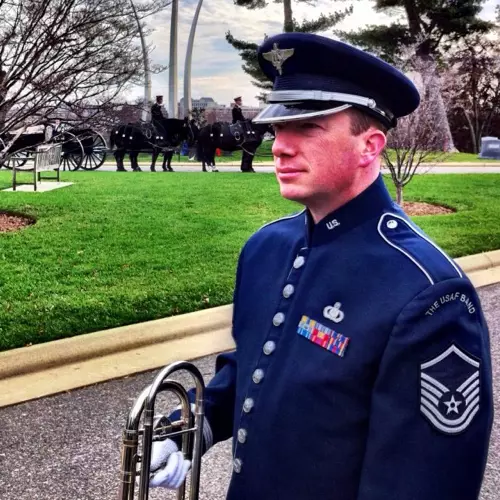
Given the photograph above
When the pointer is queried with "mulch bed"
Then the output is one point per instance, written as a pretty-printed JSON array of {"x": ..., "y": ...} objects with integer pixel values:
[
  {"x": 11, "y": 222},
  {"x": 421, "y": 208}
]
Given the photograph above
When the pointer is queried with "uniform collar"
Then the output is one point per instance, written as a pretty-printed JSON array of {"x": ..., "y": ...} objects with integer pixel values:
[{"x": 371, "y": 203}]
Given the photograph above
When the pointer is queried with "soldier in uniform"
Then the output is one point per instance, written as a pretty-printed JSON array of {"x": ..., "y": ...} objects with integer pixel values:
[
  {"x": 156, "y": 110},
  {"x": 236, "y": 111},
  {"x": 246, "y": 158},
  {"x": 362, "y": 367}
]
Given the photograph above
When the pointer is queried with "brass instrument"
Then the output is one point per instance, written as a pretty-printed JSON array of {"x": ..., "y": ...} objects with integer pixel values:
[{"x": 190, "y": 426}]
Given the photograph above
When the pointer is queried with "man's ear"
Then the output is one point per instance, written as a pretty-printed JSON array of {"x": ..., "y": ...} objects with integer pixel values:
[{"x": 374, "y": 142}]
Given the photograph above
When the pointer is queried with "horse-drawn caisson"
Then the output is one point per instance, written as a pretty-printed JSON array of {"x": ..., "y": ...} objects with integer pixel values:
[
  {"x": 81, "y": 147},
  {"x": 85, "y": 148}
]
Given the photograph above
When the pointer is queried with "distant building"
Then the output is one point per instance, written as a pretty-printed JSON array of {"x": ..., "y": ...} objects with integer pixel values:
[
  {"x": 202, "y": 103},
  {"x": 222, "y": 113},
  {"x": 215, "y": 112}
]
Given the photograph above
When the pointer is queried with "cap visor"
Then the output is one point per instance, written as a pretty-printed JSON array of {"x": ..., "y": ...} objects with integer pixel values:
[{"x": 276, "y": 113}]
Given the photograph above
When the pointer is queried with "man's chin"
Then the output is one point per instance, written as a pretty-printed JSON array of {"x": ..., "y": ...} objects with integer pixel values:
[{"x": 293, "y": 193}]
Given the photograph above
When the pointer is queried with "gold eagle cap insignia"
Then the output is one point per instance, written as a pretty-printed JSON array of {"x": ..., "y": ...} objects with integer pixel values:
[{"x": 278, "y": 56}]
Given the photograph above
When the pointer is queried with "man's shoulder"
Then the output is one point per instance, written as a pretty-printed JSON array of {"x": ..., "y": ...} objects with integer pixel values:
[
  {"x": 410, "y": 248},
  {"x": 286, "y": 227},
  {"x": 288, "y": 221}
]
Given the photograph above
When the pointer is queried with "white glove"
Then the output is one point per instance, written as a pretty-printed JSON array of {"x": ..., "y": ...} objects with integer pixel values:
[{"x": 168, "y": 465}]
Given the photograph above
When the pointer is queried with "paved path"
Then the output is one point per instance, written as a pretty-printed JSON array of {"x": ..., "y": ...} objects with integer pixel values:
[
  {"x": 67, "y": 447},
  {"x": 465, "y": 168}
]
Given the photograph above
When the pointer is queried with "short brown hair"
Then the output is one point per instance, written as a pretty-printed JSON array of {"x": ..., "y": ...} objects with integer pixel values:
[{"x": 361, "y": 122}]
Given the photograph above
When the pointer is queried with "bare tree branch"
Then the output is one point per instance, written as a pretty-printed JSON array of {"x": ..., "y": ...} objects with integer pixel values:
[
  {"x": 473, "y": 84},
  {"x": 416, "y": 139},
  {"x": 59, "y": 57}
]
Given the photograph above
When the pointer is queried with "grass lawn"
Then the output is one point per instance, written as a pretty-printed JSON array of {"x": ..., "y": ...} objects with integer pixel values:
[
  {"x": 264, "y": 154},
  {"x": 119, "y": 249}
]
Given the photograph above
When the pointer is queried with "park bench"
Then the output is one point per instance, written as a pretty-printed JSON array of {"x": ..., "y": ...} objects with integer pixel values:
[{"x": 46, "y": 158}]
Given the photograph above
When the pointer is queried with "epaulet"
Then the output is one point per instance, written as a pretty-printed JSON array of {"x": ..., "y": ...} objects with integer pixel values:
[
  {"x": 401, "y": 234},
  {"x": 288, "y": 217}
]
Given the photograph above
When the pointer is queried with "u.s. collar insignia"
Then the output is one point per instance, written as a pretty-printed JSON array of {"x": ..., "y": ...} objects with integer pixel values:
[
  {"x": 450, "y": 390},
  {"x": 278, "y": 56}
]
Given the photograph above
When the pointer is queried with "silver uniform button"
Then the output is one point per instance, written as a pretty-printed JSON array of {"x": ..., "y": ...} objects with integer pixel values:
[
  {"x": 237, "y": 465},
  {"x": 248, "y": 405},
  {"x": 298, "y": 262},
  {"x": 269, "y": 347},
  {"x": 258, "y": 375},
  {"x": 242, "y": 435},
  {"x": 278, "y": 319},
  {"x": 392, "y": 224},
  {"x": 288, "y": 290}
]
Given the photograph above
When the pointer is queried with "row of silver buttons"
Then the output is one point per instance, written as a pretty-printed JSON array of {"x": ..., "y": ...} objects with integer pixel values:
[{"x": 258, "y": 374}]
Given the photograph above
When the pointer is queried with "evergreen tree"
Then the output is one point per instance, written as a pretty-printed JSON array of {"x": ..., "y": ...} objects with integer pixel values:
[
  {"x": 248, "y": 50},
  {"x": 432, "y": 26}
]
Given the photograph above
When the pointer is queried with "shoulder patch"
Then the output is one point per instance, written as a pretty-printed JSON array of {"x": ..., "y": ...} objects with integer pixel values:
[
  {"x": 407, "y": 238},
  {"x": 288, "y": 217}
]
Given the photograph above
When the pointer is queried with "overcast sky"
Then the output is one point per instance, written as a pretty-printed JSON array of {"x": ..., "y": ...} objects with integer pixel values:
[{"x": 216, "y": 67}]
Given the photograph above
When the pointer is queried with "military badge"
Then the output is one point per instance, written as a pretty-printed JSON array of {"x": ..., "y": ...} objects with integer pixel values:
[
  {"x": 450, "y": 390},
  {"x": 278, "y": 56},
  {"x": 334, "y": 313},
  {"x": 323, "y": 336}
]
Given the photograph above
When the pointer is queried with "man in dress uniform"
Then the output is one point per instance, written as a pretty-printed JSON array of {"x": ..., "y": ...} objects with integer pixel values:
[
  {"x": 246, "y": 158},
  {"x": 362, "y": 369},
  {"x": 156, "y": 109},
  {"x": 157, "y": 115},
  {"x": 236, "y": 111}
]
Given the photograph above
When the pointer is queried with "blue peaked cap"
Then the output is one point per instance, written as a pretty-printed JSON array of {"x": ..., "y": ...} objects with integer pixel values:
[{"x": 313, "y": 76}]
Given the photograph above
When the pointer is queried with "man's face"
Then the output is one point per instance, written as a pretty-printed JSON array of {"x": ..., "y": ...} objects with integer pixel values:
[
  {"x": 238, "y": 102},
  {"x": 316, "y": 159}
]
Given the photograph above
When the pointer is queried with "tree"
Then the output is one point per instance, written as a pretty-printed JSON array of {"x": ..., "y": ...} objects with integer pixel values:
[
  {"x": 416, "y": 137},
  {"x": 69, "y": 55},
  {"x": 198, "y": 115},
  {"x": 432, "y": 27},
  {"x": 473, "y": 85},
  {"x": 248, "y": 50},
  {"x": 104, "y": 117}
]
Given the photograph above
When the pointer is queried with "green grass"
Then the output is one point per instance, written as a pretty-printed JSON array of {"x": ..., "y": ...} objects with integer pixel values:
[
  {"x": 264, "y": 154},
  {"x": 119, "y": 249}
]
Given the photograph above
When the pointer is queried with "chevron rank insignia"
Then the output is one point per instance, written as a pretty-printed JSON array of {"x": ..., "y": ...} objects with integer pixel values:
[
  {"x": 278, "y": 56},
  {"x": 450, "y": 390}
]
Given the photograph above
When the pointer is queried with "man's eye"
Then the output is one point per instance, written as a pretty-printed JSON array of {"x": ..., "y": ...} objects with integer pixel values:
[{"x": 309, "y": 126}]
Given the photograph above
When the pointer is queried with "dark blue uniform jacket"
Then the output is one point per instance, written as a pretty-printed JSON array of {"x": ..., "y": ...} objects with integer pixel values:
[{"x": 362, "y": 369}]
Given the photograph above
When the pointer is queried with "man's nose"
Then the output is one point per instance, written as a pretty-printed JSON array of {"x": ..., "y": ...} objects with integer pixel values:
[{"x": 284, "y": 145}]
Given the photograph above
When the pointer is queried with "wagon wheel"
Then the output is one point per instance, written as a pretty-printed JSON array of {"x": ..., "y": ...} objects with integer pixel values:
[
  {"x": 95, "y": 154},
  {"x": 72, "y": 151},
  {"x": 17, "y": 159}
]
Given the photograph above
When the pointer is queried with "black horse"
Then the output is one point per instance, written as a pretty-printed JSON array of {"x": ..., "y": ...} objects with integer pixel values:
[
  {"x": 156, "y": 137},
  {"x": 246, "y": 136}
]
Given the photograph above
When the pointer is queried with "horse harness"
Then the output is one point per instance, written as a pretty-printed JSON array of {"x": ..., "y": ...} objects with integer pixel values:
[{"x": 242, "y": 133}]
